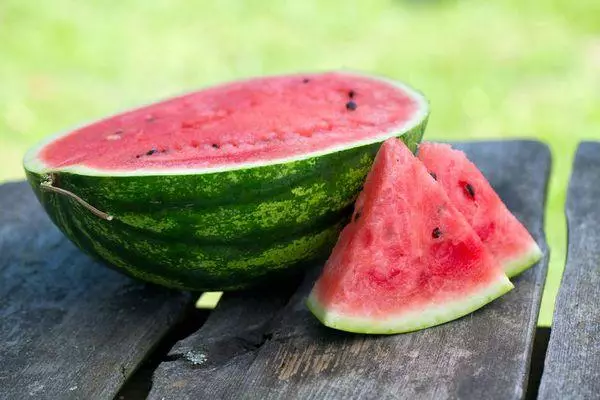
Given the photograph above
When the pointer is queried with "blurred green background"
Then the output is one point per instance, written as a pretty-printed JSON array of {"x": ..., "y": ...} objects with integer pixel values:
[{"x": 492, "y": 69}]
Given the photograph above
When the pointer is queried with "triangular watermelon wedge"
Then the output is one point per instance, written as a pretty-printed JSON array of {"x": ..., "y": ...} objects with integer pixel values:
[
  {"x": 408, "y": 259},
  {"x": 501, "y": 232}
]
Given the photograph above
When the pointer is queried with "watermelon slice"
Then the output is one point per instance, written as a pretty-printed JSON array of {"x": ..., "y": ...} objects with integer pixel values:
[
  {"x": 408, "y": 259},
  {"x": 222, "y": 188},
  {"x": 501, "y": 232}
]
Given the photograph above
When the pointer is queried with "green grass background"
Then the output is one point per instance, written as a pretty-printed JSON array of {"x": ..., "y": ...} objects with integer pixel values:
[{"x": 492, "y": 69}]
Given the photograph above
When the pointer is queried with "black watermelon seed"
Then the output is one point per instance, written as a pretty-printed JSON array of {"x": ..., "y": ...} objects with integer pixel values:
[
  {"x": 214, "y": 145},
  {"x": 351, "y": 106},
  {"x": 351, "y": 94},
  {"x": 118, "y": 131},
  {"x": 469, "y": 190},
  {"x": 433, "y": 175},
  {"x": 305, "y": 80},
  {"x": 357, "y": 216},
  {"x": 436, "y": 233},
  {"x": 151, "y": 151}
]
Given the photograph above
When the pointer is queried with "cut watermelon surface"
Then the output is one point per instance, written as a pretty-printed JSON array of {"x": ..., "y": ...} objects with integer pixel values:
[
  {"x": 247, "y": 122},
  {"x": 501, "y": 232},
  {"x": 225, "y": 187},
  {"x": 408, "y": 259}
]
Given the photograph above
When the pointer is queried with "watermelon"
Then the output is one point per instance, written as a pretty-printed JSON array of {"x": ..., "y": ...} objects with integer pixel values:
[
  {"x": 502, "y": 233},
  {"x": 408, "y": 259},
  {"x": 222, "y": 188}
]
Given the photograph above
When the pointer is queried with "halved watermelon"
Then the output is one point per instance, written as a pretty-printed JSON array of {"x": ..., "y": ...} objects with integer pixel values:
[
  {"x": 224, "y": 187},
  {"x": 408, "y": 260},
  {"x": 501, "y": 232}
]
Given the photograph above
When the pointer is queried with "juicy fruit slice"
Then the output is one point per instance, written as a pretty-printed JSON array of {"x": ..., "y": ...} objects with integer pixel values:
[
  {"x": 408, "y": 260},
  {"x": 223, "y": 188},
  {"x": 501, "y": 232}
]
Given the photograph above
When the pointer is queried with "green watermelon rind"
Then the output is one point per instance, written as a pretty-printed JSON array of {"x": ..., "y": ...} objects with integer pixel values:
[
  {"x": 515, "y": 267},
  {"x": 416, "y": 320},
  {"x": 215, "y": 229}
]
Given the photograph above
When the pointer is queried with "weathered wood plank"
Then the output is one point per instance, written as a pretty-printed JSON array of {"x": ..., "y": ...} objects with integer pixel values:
[
  {"x": 70, "y": 329},
  {"x": 484, "y": 355},
  {"x": 572, "y": 366},
  {"x": 225, "y": 346}
]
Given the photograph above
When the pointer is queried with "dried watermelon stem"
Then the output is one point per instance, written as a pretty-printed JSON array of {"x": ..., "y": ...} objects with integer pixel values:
[{"x": 48, "y": 186}]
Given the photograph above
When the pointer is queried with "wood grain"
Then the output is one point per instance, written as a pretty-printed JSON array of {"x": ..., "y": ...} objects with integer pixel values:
[
  {"x": 201, "y": 365},
  {"x": 572, "y": 366},
  {"x": 70, "y": 328},
  {"x": 484, "y": 355}
]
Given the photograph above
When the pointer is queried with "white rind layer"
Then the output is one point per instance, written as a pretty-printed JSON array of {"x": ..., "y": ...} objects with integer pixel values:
[
  {"x": 425, "y": 317},
  {"x": 518, "y": 265}
]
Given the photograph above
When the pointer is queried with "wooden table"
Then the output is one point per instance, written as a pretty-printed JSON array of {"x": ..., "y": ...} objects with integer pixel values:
[{"x": 71, "y": 329}]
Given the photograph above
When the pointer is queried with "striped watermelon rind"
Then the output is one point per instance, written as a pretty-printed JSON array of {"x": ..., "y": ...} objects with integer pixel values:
[{"x": 215, "y": 229}]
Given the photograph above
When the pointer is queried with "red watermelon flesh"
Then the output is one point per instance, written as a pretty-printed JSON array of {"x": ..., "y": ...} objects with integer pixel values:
[
  {"x": 408, "y": 259},
  {"x": 243, "y": 122},
  {"x": 501, "y": 232}
]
